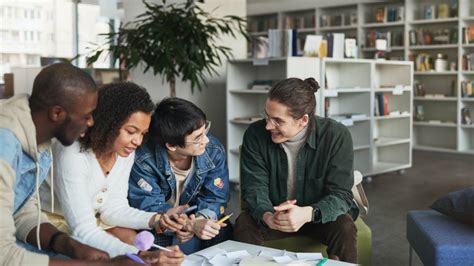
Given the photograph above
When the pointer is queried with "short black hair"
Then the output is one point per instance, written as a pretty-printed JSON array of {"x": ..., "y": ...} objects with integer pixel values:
[
  {"x": 175, "y": 118},
  {"x": 59, "y": 84},
  {"x": 115, "y": 104}
]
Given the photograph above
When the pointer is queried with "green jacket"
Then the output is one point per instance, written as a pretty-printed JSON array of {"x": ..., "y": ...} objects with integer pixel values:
[{"x": 324, "y": 170}]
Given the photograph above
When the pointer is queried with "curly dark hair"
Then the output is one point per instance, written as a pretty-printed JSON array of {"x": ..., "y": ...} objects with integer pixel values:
[{"x": 115, "y": 104}]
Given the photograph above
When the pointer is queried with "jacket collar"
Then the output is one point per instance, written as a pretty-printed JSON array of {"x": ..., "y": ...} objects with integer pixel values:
[{"x": 202, "y": 163}]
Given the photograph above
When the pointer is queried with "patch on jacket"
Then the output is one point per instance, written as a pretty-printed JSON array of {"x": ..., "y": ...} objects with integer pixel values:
[
  {"x": 144, "y": 185},
  {"x": 219, "y": 183},
  {"x": 222, "y": 210}
]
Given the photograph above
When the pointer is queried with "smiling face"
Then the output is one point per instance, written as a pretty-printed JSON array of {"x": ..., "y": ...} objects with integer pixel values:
[
  {"x": 280, "y": 123},
  {"x": 78, "y": 119},
  {"x": 131, "y": 133},
  {"x": 194, "y": 143}
]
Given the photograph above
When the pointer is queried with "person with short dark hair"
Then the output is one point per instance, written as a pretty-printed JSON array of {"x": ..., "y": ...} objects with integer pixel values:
[
  {"x": 182, "y": 165},
  {"x": 296, "y": 174},
  {"x": 92, "y": 176},
  {"x": 60, "y": 106}
]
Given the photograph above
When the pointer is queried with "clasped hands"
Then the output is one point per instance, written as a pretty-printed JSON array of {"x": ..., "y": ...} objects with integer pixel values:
[
  {"x": 186, "y": 226},
  {"x": 288, "y": 217}
]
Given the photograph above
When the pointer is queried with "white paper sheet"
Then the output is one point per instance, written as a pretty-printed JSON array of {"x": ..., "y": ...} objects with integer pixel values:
[
  {"x": 210, "y": 253},
  {"x": 309, "y": 256}
]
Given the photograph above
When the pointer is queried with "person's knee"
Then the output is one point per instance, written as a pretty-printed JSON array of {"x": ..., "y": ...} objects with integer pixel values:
[{"x": 346, "y": 227}]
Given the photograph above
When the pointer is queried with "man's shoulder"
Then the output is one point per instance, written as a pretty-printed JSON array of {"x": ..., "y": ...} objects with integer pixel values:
[
  {"x": 146, "y": 151},
  {"x": 9, "y": 143}
]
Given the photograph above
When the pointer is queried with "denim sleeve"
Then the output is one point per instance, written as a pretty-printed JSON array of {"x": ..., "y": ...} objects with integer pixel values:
[
  {"x": 144, "y": 192},
  {"x": 214, "y": 195}
]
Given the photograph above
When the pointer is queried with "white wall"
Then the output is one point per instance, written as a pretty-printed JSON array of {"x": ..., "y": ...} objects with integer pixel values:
[{"x": 211, "y": 99}]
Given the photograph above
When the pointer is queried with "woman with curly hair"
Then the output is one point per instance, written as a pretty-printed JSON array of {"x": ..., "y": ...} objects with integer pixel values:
[{"x": 92, "y": 176}]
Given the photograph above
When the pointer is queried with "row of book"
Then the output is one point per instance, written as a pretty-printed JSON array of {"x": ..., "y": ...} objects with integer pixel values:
[
  {"x": 422, "y": 36},
  {"x": 467, "y": 88},
  {"x": 262, "y": 24},
  {"x": 388, "y": 14},
  {"x": 393, "y": 38},
  {"x": 300, "y": 21},
  {"x": 468, "y": 62},
  {"x": 282, "y": 43},
  {"x": 338, "y": 19},
  {"x": 440, "y": 11},
  {"x": 279, "y": 43},
  {"x": 468, "y": 35}
]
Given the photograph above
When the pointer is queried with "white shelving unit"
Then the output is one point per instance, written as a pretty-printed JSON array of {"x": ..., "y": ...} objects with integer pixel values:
[
  {"x": 449, "y": 135},
  {"x": 243, "y": 102},
  {"x": 381, "y": 143}
]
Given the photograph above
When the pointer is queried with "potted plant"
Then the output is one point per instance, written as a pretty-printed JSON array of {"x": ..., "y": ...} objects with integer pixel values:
[{"x": 177, "y": 40}]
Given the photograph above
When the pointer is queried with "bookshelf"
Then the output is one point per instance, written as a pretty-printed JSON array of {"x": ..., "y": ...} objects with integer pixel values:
[
  {"x": 381, "y": 143},
  {"x": 244, "y": 104},
  {"x": 410, "y": 22}
]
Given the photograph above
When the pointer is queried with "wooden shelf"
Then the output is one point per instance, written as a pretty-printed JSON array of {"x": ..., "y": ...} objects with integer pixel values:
[
  {"x": 433, "y": 21},
  {"x": 427, "y": 124},
  {"x": 441, "y": 99},
  {"x": 387, "y": 141},
  {"x": 248, "y": 91},
  {"x": 335, "y": 28},
  {"x": 434, "y": 47},
  {"x": 433, "y": 73},
  {"x": 383, "y": 24}
]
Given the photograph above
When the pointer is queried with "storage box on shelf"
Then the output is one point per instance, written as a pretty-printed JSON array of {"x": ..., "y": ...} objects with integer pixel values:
[{"x": 247, "y": 92}]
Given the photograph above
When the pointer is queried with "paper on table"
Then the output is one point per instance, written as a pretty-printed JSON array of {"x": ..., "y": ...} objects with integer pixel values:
[
  {"x": 309, "y": 256},
  {"x": 283, "y": 259},
  {"x": 210, "y": 252},
  {"x": 188, "y": 262},
  {"x": 237, "y": 255},
  {"x": 271, "y": 253},
  {"x": 221, "y": 260}
]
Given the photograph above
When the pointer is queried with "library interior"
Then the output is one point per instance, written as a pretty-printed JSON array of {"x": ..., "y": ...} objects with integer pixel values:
[{"x": 319, "y": 110}]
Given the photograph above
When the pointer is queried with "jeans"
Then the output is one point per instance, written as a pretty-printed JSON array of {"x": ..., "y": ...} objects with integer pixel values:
[{"x": 339, "y": 236}]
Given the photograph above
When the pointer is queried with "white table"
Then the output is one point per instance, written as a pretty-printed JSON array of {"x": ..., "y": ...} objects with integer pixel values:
[{"x": 230, "y": 246}]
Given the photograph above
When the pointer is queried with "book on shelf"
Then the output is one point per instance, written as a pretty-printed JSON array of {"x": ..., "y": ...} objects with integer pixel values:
[
  {"x": 335, "y": 45},
  {"x": 262, "y": 84},
  {"x": 468, "y": 34},
  {"x": 419, "y": 113},
  {"x": 381, "y": 104},
  {"x": 260, "y": 47},
  {"x": 467, "y": 88},
  {"x": 312, "y": 45},
  {"x": 283, "y": 43},
  {"x": 422, "y": 36},
  {"x": 466, "y": 116},
  {"x": 435, "y": 95},
  {"x": 350, "y": 48},
  {"x": 468, "y": 62}
]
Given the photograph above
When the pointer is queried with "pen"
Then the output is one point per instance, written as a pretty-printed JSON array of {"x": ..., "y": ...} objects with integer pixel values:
[
  {"x": 135, "y": 258},
  {"x": 322, "y": 262},
  {"x": 225, "y": 218},
  {"x": 162, "y": 248}
]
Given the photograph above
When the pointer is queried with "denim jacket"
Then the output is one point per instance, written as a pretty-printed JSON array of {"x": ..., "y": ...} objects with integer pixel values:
[
  {"x": 152, "y": 182},
  {"x": 23, "y": 166}
]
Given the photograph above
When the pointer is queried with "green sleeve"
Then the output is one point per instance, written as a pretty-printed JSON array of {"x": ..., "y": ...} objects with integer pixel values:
[
  {"x": 254, "y": 177},
  {"x": 338, "y": 179}
]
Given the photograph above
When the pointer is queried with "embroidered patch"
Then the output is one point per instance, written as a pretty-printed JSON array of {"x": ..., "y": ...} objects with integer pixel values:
[
  {"x": 219, "y": 183},
  {"x": 222, "y": 209},
  {"x": 144, "y": 185}
]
